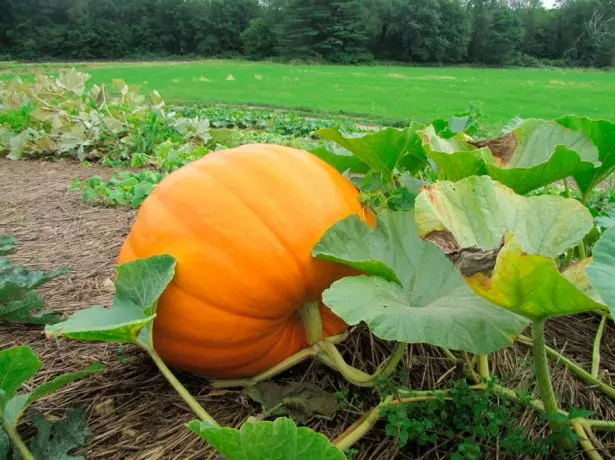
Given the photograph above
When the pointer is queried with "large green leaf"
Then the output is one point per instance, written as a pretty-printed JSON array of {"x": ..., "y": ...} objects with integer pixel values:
[
  {"x": 138, "y": 286},
  {"x": 382, "y": 150},
  {"x": 601, "y": 272},
  {"x": 530, "y": 285},
  {"x": 535, "y": 153},
  {"x": 17, "y": 366},
  {"x": 18, "y": 301},
  {"x": 16, "y": 281},
  {"x": 54, "y": 440},
  {"x": 602, "y": 133},
  {"x": 7, "y": 245},
  {"x": 277, "y": 440},
  {"x": 28, "y": 310},
  {"x": 340, "y": 158},
  {"x": 478, "y": 211},
  {"x": 414, "y": 293},
  {"x": 18, "y": 404}
]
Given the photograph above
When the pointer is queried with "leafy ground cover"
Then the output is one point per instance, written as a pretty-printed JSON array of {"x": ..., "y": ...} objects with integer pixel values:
[
  {"x": 391, "y": 94},
  {"x": 477, "y": 238}
]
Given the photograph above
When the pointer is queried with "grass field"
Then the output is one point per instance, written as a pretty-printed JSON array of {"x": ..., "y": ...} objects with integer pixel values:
[{"x": 376, "y": 92}]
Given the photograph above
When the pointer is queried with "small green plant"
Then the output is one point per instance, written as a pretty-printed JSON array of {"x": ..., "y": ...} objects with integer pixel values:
[
  {"x": 19, "y": 301},
  {"x": 126, "y": 188},
  {"x": 473, "y": 418},
  {"x": 17, "y": 366}
]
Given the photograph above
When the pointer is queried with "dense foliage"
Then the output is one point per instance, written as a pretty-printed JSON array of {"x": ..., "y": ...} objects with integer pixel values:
[
  {"x": 465, "y": 243},
  {"x": 493, "y": 32}
]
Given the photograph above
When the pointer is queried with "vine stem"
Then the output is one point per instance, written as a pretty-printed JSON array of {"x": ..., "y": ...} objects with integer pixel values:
[
  {"x": 567, "y": 188},
  {"x": 355, "y": 376},
  {"x": 596, "y": 350},
  {"x": 330, "y": 355},
  {"x": 543, "y": 379},
  {"x": 366, "y": 422},
  {"x": 483, "y": 367},
  {"x": 581, "y": 246},
  {"x": 470, "y": 365},
  {"x": 588, "y": 447},
  {"x": 358, "y": 429},
  {"x": 17, "y": 441},
  {"x": 449, "y": 354},
  {"x": 574, "y": 368},
  {"x": 289, "y": 362},
  {"x": 176, "y": 384},
  {"x": 542, "y": 367}
]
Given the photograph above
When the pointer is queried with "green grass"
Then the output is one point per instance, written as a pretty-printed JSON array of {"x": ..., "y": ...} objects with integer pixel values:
[{"x": 376, "y": 92}]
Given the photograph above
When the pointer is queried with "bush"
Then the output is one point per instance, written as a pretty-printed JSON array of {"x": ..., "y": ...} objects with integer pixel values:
[{"x": 526, "y": 60}]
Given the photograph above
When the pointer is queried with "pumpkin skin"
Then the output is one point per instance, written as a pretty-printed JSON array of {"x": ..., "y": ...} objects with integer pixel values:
[{"x": 241, "y": 224}]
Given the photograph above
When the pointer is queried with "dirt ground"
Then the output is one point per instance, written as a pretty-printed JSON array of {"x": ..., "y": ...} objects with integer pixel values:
[{"x": 133, "y": 412}]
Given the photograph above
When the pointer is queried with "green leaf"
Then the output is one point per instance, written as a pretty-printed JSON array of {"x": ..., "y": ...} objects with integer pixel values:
[
  {"x": 7, "y": 245},
  {"x": 341, "y": 159},
  {"x": 29, "y": 310},
  {"x": 414, "y": 293},
  {"x": 382, "y": 151},
  {"x": 277, "y": 440},
  {"x": 530, "y": 285},
  {"x": 601, "y": 272},
  {"x": 478, "y": 211},
  {"x": 606, "y": 221},
  {"x": 55, "y": 440},
  {"x": 602, "y": 133},
  {"x": 534, "y": 154},
  {"x": 19, "y": 404},
  {"x": 138, "y": 286},
  {"x": 17, "y": 366},
  {"x": 16, "y": 281}
]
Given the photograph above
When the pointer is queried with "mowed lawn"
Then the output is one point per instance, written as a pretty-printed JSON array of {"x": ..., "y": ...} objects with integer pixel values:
[{"x": 378, "y": 92}]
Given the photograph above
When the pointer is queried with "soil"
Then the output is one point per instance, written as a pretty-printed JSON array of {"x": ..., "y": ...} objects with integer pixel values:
[{"x": 133, "y": 412}]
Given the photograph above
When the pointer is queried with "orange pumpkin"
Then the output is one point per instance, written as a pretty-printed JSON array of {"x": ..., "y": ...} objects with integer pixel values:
[{"x": 241, "y": 224}]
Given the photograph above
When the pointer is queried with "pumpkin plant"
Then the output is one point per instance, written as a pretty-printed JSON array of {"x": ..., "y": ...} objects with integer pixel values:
[
  {"x": 19, "y": 301},
  {"x": 250, "y": 260},
  {"x": 17, "y": 366}
]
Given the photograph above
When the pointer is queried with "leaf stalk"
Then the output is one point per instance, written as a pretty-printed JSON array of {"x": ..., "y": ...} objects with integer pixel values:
[
  {"x": 17, "y": 441},
  {"x": 176, "y": 384},
  {"x": 596, "y": 349},
  {"x": 574, "y": 368}
]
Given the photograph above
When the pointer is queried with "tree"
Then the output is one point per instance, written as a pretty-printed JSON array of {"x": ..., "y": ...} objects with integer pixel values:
[
  {"x": 259, "y": 40},
  {"x": 413, "y": 31},
  {"x": 497, "y": 32},
  {"x": 455, "y": 30},
  {"x": 331, "y": 30}
]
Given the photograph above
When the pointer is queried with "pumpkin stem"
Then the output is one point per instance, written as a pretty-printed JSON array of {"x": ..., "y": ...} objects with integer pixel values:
[
  {"x": 312, "y": 322},
  {"x": 268, "y": 374},
  {"x": 278, "y": 368}
]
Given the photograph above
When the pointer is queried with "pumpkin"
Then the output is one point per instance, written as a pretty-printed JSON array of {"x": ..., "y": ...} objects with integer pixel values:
[{"x": 241, "y": 224}]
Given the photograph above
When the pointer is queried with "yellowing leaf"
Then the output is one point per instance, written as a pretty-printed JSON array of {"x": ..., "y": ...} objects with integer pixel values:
[
  {"x": 535, "y": 153},
  {"x": 478, "y": 211},
  {"x": 73, "y": 81},
  {"x": 530, "y": 285}
]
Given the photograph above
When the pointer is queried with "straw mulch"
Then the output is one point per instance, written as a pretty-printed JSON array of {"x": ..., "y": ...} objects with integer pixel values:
[{"x": 135, "y": 414}]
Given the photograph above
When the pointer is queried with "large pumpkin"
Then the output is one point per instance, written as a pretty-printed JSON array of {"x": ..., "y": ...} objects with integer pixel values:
[{"x": 241, "y": 224}]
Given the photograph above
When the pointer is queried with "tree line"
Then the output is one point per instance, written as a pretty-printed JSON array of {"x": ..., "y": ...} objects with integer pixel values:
[{"x": 482, "y": 32}]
